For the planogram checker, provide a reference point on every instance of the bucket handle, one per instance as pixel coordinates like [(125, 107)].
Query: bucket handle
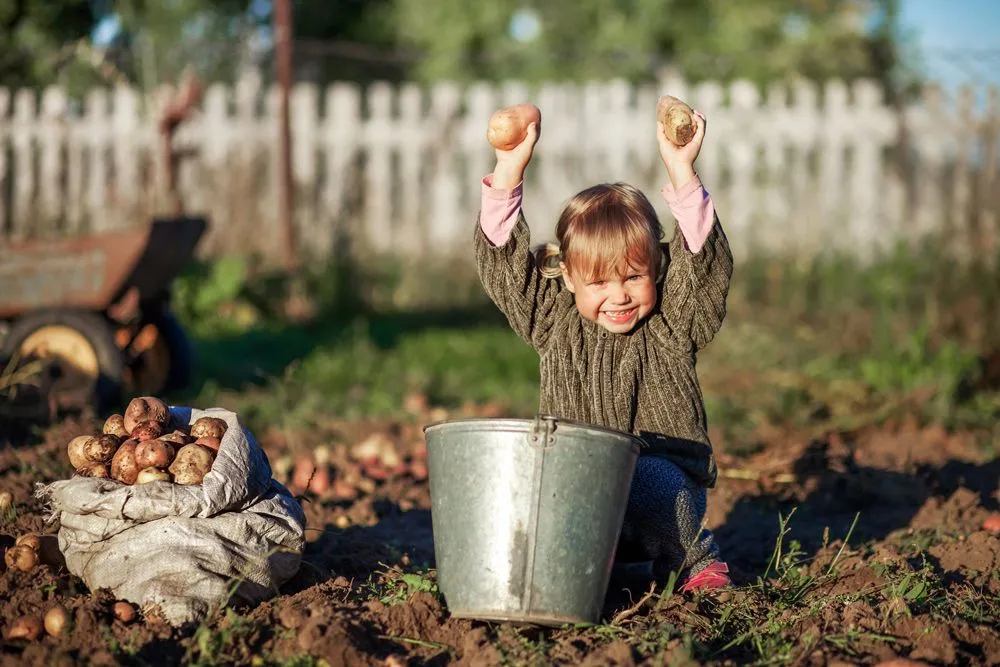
[(542, 434)]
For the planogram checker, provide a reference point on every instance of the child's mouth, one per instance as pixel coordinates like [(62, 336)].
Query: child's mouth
[(620, 316)]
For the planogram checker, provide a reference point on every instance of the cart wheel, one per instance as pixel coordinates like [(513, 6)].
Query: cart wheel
[(83, 364), (162, 356)]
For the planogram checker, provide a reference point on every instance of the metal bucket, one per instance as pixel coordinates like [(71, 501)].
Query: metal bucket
[(526, 516)]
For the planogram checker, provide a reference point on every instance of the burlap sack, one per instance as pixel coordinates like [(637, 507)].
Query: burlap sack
[(185, 548)]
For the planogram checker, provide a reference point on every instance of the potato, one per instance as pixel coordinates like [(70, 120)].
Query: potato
[(31, 540), (210, 442), (178, 438), (57, 620), (154, 454), (93, 470), (211, 427), (77, 457), (21, 557), (147, 430), (115, 425), (509, 126), (101, 449), (192, 463), (143, 409), (123, 465), (6, 500), (147, 475), (123, 611), (27, 627), (677, 118)]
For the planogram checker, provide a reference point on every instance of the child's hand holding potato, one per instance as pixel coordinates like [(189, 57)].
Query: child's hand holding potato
[(513, 132)]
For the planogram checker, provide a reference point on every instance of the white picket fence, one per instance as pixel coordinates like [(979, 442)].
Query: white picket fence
[(396, 169)]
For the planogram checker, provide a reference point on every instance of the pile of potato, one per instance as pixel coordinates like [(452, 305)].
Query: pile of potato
[(135, 448)]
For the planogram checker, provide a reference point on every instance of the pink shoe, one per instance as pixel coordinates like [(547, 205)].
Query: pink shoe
[(714, 576)]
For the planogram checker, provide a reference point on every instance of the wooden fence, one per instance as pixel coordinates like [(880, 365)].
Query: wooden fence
[(796, 169)]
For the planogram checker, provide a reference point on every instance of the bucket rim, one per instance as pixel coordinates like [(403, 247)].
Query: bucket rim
[(524, 420)]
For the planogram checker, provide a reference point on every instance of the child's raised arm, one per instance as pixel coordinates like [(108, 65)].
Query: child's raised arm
[(506, 265), (699, 261)]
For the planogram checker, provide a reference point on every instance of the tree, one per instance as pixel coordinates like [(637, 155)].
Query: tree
[(33, 34), (533, 40)]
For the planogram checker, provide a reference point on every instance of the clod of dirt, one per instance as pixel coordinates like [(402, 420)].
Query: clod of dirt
[(6, 500), (28, 628), (57, 621), (123, 611)]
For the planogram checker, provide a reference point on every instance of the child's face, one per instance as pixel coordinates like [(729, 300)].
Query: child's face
[(619, 302)]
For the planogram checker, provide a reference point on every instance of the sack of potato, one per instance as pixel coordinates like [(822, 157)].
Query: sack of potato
[(176, 507)]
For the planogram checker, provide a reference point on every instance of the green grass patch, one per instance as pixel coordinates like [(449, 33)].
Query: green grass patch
[(827, 344)]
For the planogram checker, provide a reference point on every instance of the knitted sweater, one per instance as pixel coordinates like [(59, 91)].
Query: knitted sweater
[(643, 382)]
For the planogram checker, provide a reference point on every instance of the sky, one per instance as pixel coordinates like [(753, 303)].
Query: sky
[(959, 39)]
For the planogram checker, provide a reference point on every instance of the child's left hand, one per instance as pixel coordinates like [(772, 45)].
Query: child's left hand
[(679, 160)]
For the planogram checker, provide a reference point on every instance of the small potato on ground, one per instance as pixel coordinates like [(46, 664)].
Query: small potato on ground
[(57, 620), (26, 627), (21, 558)]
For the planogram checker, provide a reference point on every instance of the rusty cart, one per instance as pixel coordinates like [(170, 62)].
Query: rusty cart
[(95, 311)]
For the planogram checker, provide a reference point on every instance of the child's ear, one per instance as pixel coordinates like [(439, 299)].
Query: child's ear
[(565, 276)]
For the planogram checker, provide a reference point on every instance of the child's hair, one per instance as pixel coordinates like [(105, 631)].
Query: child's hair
[(598, 228)]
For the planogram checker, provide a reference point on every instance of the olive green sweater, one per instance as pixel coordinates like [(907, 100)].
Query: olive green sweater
[(643, 382)]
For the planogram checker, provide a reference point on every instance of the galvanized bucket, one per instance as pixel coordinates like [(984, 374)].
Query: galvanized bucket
[(526, 516)]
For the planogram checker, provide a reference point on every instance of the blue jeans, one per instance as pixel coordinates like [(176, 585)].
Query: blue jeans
[(663, 521)]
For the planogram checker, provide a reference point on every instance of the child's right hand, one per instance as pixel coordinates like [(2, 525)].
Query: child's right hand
[(512, 163)]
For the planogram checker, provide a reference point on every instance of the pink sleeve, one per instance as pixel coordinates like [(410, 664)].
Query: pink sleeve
[(693, 208), (499, 212)]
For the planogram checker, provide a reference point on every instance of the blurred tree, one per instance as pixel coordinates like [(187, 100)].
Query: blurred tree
[(761, 40), (33, 34)]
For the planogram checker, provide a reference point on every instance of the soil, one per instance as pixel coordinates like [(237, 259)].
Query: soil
[(918, 579)]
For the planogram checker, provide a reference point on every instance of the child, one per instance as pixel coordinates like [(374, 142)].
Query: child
[(617, 323)]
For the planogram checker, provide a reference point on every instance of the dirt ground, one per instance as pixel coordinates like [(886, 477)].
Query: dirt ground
[(918, 579)]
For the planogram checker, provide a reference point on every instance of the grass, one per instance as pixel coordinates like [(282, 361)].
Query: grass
[(828, 345)]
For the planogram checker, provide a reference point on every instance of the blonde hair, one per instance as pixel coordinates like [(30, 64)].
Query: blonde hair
[(601, 226)]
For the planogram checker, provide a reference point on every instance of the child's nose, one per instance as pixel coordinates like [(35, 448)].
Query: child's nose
[(619, 294)]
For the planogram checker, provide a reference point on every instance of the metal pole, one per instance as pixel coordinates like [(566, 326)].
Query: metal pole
[(283, 69)]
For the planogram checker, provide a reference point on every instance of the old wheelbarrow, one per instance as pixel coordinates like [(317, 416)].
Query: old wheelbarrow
[(95, 311)]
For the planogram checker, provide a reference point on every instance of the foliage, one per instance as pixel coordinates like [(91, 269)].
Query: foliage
[(715, 39), (32, 36)]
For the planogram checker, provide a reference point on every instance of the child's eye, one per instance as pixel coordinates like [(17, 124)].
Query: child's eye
[(598, 283), (635, 277)]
